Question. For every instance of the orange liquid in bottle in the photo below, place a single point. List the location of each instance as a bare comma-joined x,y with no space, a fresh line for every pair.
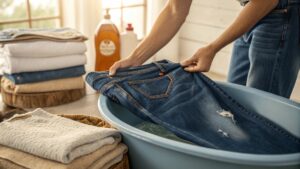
107,44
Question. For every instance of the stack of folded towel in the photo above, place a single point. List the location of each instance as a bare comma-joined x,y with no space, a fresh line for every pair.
39,139
42,67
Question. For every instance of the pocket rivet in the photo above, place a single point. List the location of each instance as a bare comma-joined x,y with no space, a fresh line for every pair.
161,73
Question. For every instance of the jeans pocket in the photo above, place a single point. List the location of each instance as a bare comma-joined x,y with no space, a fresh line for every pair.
267,41
155,88
277,16
269,36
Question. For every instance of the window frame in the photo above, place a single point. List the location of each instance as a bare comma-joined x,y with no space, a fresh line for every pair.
29,18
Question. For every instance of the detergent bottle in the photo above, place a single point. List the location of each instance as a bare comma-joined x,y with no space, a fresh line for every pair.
129,41
107,44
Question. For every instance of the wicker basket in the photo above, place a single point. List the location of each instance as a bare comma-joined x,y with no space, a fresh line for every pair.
124,164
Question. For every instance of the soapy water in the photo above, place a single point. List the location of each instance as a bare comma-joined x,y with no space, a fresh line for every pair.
159,131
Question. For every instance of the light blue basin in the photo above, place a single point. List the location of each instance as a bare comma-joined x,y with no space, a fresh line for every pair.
149,151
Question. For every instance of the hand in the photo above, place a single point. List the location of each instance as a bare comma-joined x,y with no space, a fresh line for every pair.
127,62
200,61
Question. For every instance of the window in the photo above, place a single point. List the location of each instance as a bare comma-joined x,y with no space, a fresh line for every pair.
128,11
30,14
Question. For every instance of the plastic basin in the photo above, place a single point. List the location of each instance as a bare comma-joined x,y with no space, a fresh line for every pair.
149,151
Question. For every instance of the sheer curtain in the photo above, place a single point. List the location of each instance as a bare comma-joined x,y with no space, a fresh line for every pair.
83,15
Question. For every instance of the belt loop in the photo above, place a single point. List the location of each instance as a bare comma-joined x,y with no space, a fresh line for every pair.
287,3
283,4
161,68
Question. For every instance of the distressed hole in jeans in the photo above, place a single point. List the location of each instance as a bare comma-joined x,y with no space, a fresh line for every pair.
224,134
227,114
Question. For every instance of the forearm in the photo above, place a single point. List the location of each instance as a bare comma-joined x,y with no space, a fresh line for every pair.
165,27
254,11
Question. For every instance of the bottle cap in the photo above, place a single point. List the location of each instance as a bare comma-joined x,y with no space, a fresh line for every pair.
107,15
129,27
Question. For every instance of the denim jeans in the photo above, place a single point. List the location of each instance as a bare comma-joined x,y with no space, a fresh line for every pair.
32,77
194,108
268,56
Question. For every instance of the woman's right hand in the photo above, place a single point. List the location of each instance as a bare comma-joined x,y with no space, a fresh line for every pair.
127,62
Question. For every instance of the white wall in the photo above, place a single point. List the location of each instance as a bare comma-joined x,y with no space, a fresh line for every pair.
207,19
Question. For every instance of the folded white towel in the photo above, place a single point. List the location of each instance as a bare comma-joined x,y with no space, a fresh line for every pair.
43,48
53,137
18,65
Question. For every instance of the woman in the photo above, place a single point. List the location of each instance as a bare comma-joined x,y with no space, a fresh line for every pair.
266,52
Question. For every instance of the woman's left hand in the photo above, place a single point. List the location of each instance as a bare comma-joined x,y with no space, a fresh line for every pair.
200,61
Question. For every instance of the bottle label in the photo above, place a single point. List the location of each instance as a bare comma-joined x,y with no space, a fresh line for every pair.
107,47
